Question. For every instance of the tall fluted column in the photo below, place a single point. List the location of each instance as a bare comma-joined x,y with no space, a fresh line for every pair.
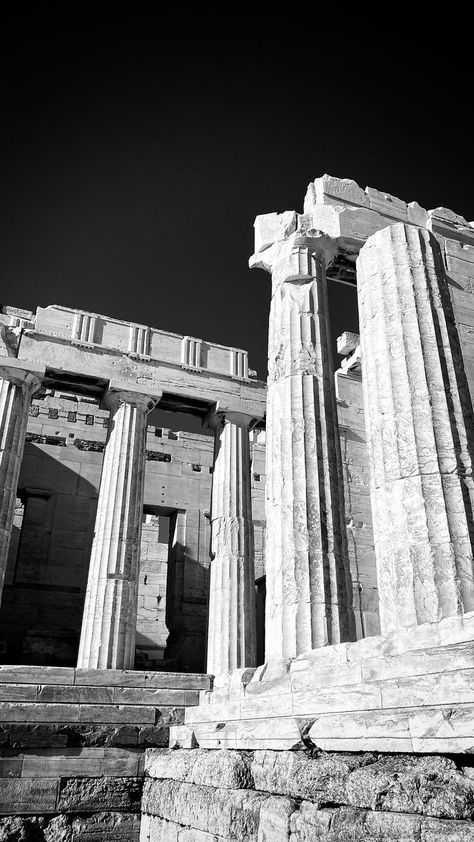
420,430
232,609
16,389
309,592
110,610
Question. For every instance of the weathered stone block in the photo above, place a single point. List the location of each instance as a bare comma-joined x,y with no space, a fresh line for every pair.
154,829
321,780
26,795
16,829
225,812
274,820
106,827
409,784
223,768
84,795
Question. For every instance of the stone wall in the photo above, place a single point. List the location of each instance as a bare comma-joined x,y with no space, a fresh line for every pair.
270,796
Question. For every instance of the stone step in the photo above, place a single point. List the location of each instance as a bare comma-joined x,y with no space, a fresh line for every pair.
93,762
68,713
21,674
420,729
100,695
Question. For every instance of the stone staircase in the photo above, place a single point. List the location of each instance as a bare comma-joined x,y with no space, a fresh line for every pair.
72,745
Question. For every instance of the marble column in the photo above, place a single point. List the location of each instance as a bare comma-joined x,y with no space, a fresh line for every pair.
17,386
308,582
232,607
420,430
110,609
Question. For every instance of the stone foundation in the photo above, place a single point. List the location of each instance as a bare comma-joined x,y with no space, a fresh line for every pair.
200,795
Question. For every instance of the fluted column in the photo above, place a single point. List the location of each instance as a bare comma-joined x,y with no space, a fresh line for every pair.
309,592
16,389
420,430
232,609
110,610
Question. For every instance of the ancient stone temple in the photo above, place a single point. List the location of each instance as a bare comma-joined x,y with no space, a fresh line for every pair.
263,630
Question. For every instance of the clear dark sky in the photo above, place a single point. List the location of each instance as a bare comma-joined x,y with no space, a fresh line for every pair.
138,147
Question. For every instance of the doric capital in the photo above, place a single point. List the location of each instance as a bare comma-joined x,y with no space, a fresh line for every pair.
226,413
21,373
121,393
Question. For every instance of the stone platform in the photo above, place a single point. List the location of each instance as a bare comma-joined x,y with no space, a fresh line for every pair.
411,691
72,746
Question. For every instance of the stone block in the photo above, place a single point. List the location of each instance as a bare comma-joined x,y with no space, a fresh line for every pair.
276,733
386,204
347,342
11,762
349,823
150,696
274,819
36,675
24,829
225,812
81,762
430,786
154,829
270,227
416,214
321,780
223,768
94,795
346,698
182,736
328,189
309,824
106,827
29,796
362,731
432,689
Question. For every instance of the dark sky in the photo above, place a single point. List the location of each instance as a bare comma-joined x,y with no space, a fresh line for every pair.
139,145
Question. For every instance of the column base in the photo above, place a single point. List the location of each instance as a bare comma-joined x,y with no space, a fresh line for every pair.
411,691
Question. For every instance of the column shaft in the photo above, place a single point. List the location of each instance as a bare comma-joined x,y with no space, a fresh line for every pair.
420,430
232,621
309,594
110,610
15,398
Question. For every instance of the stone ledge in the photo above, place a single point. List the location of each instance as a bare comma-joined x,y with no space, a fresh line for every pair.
21,735
434,730
90,762
20,674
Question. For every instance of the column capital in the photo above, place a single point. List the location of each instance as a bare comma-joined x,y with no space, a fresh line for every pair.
21,372
124,392
228,413
289,258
